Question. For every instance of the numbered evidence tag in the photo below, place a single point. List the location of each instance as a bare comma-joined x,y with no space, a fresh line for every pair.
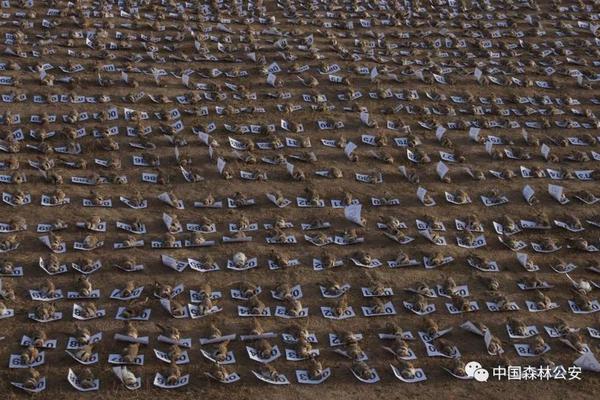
373,376
202,267
321,242
249,228
130,339
83,247
232,203
130,245
530,330
46,344
249,264
334,294
407,263
120,372
353,213
557,192
366,178
419,375
290,263
462,226
295,292
424,198
119,294
16,361
329,313
120,360
289,239
368,292
101,227
172,263
374,263
335,340
462,377
237,294
469,326
305,203
10,199
172,228
87,271
93,359
292,355
452,198
47,201
138,230
540,249
515,246
94,294
282,312
527,224
248,312
429,264
525,350
528,194
460,290
587,362
74,344
203,228
476,243
493,201
432,351
89,203
318,264
304,377
254,354
133,204
167,199
425,226
227,360
196,311
217,339
16,272
182,312
216,204
388,309
76,383
494,307
568,227
61,249
532,306
384,202
161,381
435,239
82,315
473,306
163,356
593,332
230,378
40,387
594,307
311,337
280,379
501,230
143,316
281,204
430,308
39,295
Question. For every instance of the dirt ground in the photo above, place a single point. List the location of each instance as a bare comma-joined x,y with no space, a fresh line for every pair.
342,383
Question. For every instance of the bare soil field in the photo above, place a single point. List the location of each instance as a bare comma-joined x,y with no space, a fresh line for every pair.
140,144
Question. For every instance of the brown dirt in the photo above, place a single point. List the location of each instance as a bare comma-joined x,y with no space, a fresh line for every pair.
342,382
